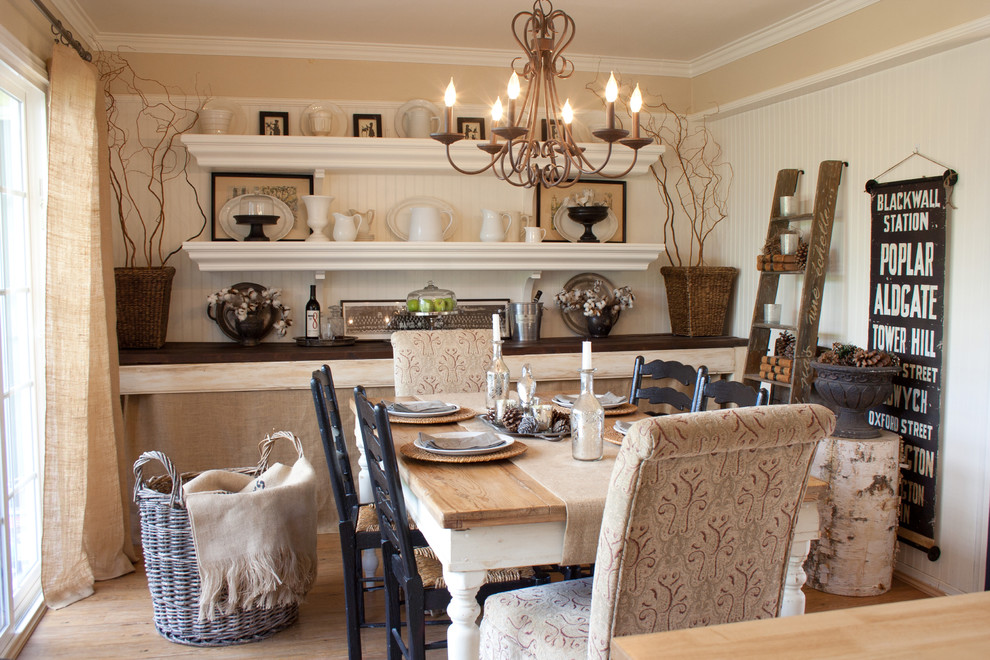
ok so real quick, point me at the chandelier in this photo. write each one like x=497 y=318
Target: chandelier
x=517 y=155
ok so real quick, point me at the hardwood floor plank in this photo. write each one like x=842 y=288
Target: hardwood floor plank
x=116 y=622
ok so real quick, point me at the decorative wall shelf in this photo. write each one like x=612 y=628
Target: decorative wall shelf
x=372 y=256
x=267 y=153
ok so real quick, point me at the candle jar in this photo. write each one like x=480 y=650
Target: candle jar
x=771 y=313
x=587 y=422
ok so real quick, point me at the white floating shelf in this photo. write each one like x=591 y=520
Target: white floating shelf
x=372 y=256
x=268 y=153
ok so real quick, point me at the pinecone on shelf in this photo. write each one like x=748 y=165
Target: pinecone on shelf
x=873 y=358
x=511 y=419
x=802 y=253
x=784 y=345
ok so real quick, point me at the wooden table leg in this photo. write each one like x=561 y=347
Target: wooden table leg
x=463 y=634
x=807 y=530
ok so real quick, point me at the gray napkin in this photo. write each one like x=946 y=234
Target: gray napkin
x=485 y=440
x=420 y=407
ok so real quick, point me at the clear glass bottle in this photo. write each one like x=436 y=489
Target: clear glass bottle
x=587 y=422
x=526 y=387
x=497 y=377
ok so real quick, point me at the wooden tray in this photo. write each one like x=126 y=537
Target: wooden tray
x=409 y=450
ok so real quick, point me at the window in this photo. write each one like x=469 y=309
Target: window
x=22 y=384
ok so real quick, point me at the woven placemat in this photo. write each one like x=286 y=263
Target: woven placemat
x=409 y=450
x=618 y=411
x=459 y=416
x=613 y=436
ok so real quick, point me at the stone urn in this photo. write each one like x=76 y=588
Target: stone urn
x=852 y=391
x=601 y=325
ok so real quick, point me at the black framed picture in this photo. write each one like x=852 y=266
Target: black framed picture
x=548 y=130
x=473 y=128
x=551 y=210
x=274 y=123
x=367 y=126
x=288 y=189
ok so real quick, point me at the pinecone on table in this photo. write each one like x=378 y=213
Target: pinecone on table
x=527 y=425
x=561 y=426
x=511 y=419
x=784 y=345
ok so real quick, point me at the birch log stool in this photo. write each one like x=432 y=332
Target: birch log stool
x=854 y=555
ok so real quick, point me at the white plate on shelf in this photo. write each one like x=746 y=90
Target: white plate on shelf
x=397 y=218
x=400 y=114
x=237 y=117
x=507 y=441
x=338 y=120
x=573 y=231
x=239 y=232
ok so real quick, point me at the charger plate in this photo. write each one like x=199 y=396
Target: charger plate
x=624 y=409
x=409 y=450
x=613 y=436
x=459 y=416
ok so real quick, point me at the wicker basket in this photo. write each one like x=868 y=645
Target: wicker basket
x=143 y=296
x=697 y=298
x=173 y=578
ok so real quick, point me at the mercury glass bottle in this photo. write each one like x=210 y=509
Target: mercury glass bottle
x=587 y=422
x=526 y=387
x=497 y=377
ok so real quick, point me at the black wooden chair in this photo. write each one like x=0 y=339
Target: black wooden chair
x=410 y=571
x=727 y=391
x=645 y=375
x=357 y=525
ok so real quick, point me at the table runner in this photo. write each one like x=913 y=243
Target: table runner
x=581 y=485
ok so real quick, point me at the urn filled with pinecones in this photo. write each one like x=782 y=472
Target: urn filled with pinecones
x=853 y=380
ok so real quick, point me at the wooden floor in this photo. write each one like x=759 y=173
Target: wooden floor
x=116 y=622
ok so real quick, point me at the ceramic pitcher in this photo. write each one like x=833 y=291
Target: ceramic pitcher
x=420 y=122
x=425 y=224
x=346 y=227
x=493 y=225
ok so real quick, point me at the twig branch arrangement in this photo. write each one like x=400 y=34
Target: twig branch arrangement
x=692 y=177
x=145 y=158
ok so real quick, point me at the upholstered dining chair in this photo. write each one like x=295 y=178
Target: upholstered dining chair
x=697 y=528
x=647 y=379
x=723 y=392
x=410 y=572
x=436 y=361
x=357 y=525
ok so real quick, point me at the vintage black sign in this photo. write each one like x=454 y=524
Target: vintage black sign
x=907 y=293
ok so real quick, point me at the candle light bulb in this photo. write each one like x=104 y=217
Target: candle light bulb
x=567 y=112
x=497 y=110
x=636 y=100
x=611 y=89
x=450 y=95
x=513 y=90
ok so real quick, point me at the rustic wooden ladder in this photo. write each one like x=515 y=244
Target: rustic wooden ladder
x=798 y=387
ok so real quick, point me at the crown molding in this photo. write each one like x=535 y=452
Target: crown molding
x=80 y=22
x=791 y=27
x=954 y=37
x=22 y=61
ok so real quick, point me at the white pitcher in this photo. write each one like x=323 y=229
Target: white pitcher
x=420 y=122
x=317 y=215
x=493 y=229
x=346 y=227
x=424 y=223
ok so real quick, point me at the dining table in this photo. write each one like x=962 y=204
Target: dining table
x=536 y=507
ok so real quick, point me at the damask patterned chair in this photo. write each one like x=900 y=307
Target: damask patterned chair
x=697 y=529
x=437 y=361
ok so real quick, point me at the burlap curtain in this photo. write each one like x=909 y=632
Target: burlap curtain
x=83 y=533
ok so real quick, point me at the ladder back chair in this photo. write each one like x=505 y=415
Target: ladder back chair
x=698 y=523
x=412 y=572
x=646 y=387
x=723 y=392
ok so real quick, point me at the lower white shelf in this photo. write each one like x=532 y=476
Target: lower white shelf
x=372 y=256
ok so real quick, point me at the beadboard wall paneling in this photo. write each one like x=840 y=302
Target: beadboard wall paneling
x=937 y=105
x=467 y=195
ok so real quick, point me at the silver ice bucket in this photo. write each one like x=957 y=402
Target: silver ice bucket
x=524 y=320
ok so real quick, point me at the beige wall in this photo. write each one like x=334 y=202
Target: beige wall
x=29 y=26
x=882 y=26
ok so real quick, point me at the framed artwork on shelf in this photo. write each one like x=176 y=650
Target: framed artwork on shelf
x=286 y=188
x=274 y=123
x=548 y=130
x=378 y=319
x=551 y=212
x=368 y=126
x=473 y=128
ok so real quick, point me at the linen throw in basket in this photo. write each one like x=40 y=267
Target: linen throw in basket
x=255 y=536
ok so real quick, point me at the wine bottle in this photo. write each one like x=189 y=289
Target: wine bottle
x=312 y=315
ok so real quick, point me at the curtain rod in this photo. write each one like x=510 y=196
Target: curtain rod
x=62 y=34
